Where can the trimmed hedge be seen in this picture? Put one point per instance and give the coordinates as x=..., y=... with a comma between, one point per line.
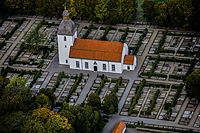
x=119, y=81
x=40, y=64
x=12, y=70
x=102, y=85
x=174, y=101
x=74, y=86
x=108, y=28
x=177, y=77
x=57, y=82
x=123, y=37
x=37, y=75
x=162, y=41
x=2, y=44
x=9, y=34
x=154, y=66
x=135, y=99
x=153, y=102
x=88, y=31
x=136, y=48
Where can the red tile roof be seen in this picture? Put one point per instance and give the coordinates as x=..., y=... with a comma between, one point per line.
x=128, y=59
x=119, y=127
x=96, y=50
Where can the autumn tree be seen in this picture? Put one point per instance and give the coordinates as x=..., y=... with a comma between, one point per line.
x=45, y=120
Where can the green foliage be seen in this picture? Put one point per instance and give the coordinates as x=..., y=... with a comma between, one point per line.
x=153, y=102
x=36, y=76
x=162, y=41
x=119, y=81
x=42, y=101
x=88, y=31
x=154, y=66
x=76, y=83
x=2, y=44
x=83, y=119
x=101, y=85
x=192, y=84
x=3, y=82
x=48, y=92
x=108, y=28
x=110, y=104
x=136, y=48
x=94, y=100
x=135, y=99
x=40, y=64
x=15, y=96
x=123, y=37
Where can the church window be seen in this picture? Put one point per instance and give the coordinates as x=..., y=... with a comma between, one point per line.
x=65, y=38
x=86, y=65
x=65, y=46
x=113, y=67
x=104, y=67
x=77, y=64
x=66, y=61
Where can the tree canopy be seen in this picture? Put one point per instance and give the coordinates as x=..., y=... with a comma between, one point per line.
x=110, y=104
x=94, y=100
x=192, y=84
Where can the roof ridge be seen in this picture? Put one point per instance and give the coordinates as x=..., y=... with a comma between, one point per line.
x=97, y=50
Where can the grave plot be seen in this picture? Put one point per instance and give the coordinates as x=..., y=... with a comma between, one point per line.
x=139, y=41
x=67, y=87
x=165, y=68
x=104, y=85
x=11, y=28
x=173, y=103
x=197, y=122
x=188, y=112
x=4, y=47
x=34, y=78
x=88, y=32
x=37, y=48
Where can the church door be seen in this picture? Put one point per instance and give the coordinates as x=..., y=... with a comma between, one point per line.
x=95, y=68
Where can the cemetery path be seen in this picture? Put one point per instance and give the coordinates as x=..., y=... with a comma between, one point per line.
x=46, y=81
x=86, y=88
x=132, y=37
x=195, y=115
x=182, y=110
x=116, y=118
x=16, y=42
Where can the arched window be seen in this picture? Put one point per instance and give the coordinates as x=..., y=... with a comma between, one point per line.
x=65, y=38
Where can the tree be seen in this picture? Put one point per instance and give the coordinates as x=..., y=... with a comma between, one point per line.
x=148, y=9
x=11, y=123
x=42, y=101
x=3, y=83
x=101, y=11
x=15, y=96
x=48, y=92
x=45, y=120
x=94, y=100
x=192, y=84
x=110, y=104
x=83, y=119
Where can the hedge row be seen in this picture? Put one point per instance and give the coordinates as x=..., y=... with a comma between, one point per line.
x=162, y=41
x=153, y=74
x=119, y=82
x=186, y=53
x=135, y=99
x=171, y=59
x=157, y=85
x=177, y=77
x=88, y=31
x=123, y=37
x=154, y=66
x=40, y=64
x=9, y=34
x=57, y=82
x=102, y=85
x=153, y=102
x=78, y=80
x=108, y=28
x=166, y=51
x=2, y=44
x=174, y=101
x=136, y=48
x=36, y=76
x=12, y=70
x=187, y=35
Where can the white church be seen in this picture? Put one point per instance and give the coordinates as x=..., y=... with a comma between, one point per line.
x=93, y=55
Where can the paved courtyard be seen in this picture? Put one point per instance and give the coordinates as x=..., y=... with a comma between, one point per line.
x=164, y=57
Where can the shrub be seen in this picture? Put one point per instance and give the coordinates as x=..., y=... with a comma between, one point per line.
x=123, y=37
x=57, y=82
x=88, y=31
x=102, y=85
x=108, y=28
x=40, y=64
x=154, y=66
x=36, y=76
x=135, y=99
x=162, y=41
x=119, y=81
x=2, y=44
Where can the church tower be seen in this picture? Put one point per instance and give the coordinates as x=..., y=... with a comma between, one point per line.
x=67, y=32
